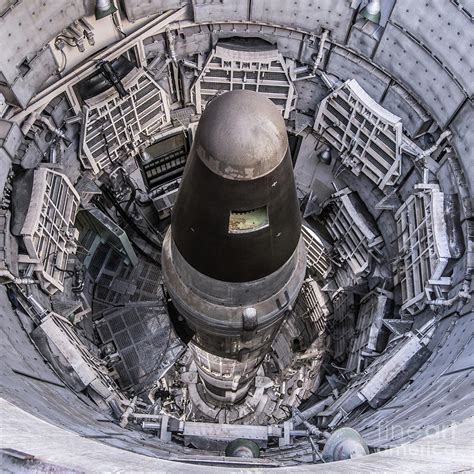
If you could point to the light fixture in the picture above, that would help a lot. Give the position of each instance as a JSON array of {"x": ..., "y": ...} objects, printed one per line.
[
  {"x": 371, "y": 12},
  {"x": 104, "y": 8},
  {"x": 325, "y": 156}
]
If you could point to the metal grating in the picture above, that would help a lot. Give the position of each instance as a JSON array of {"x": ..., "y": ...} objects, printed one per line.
[
  {"x": 48, "y": 231},
  {"x": 228, "y": 68},
  {"x": 368, "y": 136},
  {"x": 148, "y": 279},
  {"x": 355, "y": 240},
  {"x": 344, "y": 323},
  {"x": 317, "y": 259},
  {"x": 116, "y": 282},
  {"x": 144, "y": 340},
  {"x": 372, "y": 310},
  {"x": 315, "y": 304},
  {"x": 97, "y": 260},
  {"x": 423, "y": 248},
  {"x": 115, "y": 125}
]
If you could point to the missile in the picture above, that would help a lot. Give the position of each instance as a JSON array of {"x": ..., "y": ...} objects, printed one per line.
[{"x": 233, "y": 258}]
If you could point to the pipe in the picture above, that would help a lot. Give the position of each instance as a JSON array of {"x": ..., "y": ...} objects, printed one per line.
[
  {"x": 28, "y": 123},
  {"x": 316, "y": 408},
  {"x": 300, "y": 70},
  {"x": 190, "y": 64},
  {"x": 312, "y": 429},
  {"x": 13, "y": 279},
  {"x": 53, "y": 129},
  {"x": 319, "y": 57},
  {"x": 298, "y": 433},
  {"x": 146, "y": 416},
  {"x": 316, "y": 64},
  {"x": 330, "y": 84},
  {"x": 433, "y": 148},
  {"x": 170, "y": 39},
  {"x": 53, "y": 153},
  {"x": 151, "y": 425},
  {"x": 128, "y": 412},
  {"x": 309, "y": 355},
  {"x": 463, "y": 294}
]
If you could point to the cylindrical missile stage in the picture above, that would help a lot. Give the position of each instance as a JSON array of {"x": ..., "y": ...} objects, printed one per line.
[{"x": 233, "y": 258}]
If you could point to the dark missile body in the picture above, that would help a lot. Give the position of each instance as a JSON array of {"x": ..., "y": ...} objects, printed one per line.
[{"x": 233, "y": 259}]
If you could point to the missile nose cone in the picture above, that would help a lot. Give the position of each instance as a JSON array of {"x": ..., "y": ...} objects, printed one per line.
[
  {"x": 236, "y": 217},
  {"x": 241, "y": 135}
]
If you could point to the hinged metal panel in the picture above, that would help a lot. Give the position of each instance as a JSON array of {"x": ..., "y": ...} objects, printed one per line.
[
  {"x": 48, "y": 231},
  {"x": 354, "y": 238},
  {"x": 368, "y": 136},
  {"x": 262, "y": 71},
  {"x": 318, "y": 261},
  {"x": 372, "y": 310},
  {"x": 423, "y": 248},
  {"x": 115, "y": 126}
]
